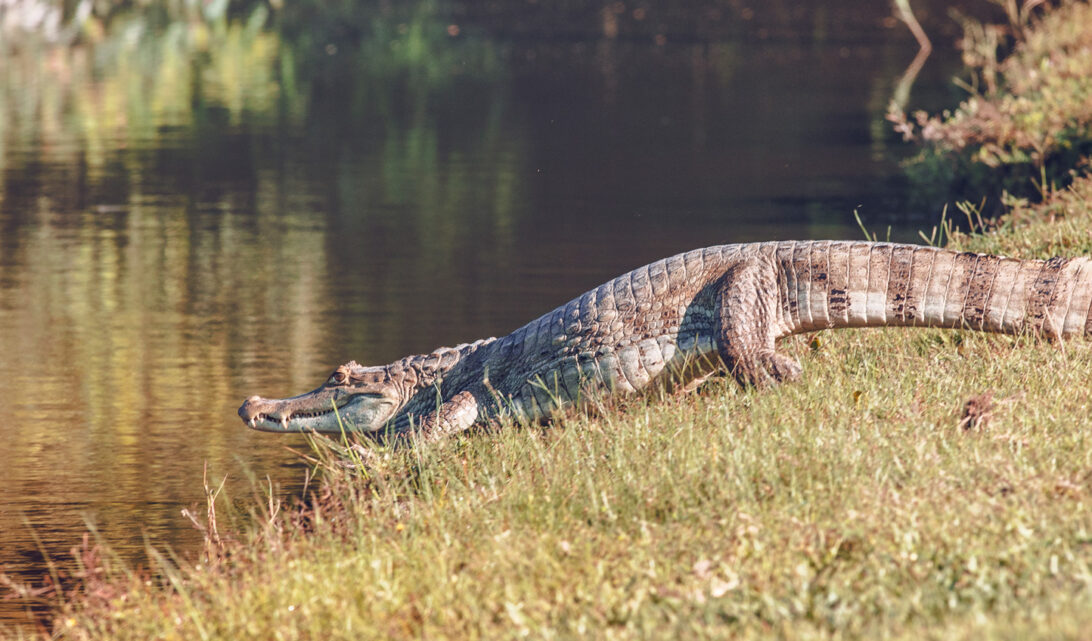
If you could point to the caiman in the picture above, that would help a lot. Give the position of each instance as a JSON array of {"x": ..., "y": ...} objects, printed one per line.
[{"x": 679, "y": 320}]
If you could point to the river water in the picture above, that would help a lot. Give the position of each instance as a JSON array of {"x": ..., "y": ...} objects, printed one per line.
[{"x": 192, "y": 213}]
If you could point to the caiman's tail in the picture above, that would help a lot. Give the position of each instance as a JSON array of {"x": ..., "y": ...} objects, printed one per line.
[{"x": 857, "y": 284}]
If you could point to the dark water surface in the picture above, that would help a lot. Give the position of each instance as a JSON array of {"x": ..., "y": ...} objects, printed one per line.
[{"x": 190, "y": 215}]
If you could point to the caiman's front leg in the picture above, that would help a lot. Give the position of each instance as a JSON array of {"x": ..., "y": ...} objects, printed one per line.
[
  {"x": 747, "y": 325},
  {"x": 454, "y": 415}
]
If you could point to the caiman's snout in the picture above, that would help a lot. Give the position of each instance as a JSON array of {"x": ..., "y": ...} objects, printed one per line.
[
  {"x": 315, "y": 411},
  {"x": 249, "y": 410},
  {"x": 256, "y": 412},
  {"x": 269, "y": 414}
]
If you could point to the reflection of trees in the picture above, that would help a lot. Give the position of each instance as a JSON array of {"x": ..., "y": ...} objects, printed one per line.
[
  {"x": 136, "y": 106},
  {"x": 90, "y": 98}
]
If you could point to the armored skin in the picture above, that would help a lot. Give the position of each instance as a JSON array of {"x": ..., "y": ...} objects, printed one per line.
[{"x": 679, "y": 320}]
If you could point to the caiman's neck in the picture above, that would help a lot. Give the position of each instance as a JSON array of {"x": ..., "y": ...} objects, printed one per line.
[{"x": 426, "y": 370}]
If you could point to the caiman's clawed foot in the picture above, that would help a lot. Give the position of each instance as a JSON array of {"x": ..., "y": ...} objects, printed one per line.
[{"x": 766, "y": 368}]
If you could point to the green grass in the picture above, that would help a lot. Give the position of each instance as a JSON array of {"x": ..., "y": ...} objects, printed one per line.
[{"x": 853, "y": 504}]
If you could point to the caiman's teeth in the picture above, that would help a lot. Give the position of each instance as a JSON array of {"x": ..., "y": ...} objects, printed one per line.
[
  {"x": 251, "y": 422},
  {"x": 284, "y": 422}
]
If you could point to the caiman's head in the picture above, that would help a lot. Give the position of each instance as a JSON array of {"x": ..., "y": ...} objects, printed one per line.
[{"x": 365, "y": 399}]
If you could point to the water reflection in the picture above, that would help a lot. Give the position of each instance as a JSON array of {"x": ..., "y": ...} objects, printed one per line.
[{"x": 198, "y": 210}]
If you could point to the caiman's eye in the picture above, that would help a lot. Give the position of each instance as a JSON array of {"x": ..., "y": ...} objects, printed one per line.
[{"x": 337, "y": 378}]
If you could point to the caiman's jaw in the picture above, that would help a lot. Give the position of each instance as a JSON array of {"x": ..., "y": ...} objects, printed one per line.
[
  {"x": 290, "y": 415},
  {"x": 353, "y": 399}
]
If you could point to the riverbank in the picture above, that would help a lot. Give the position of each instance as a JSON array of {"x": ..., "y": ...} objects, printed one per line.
[{"x": 913, "y": 484}]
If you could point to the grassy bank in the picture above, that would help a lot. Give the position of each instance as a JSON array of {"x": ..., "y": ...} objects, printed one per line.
[
  {"x": 866, "y": 500},
  {"x": 914, "y": 484}
]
